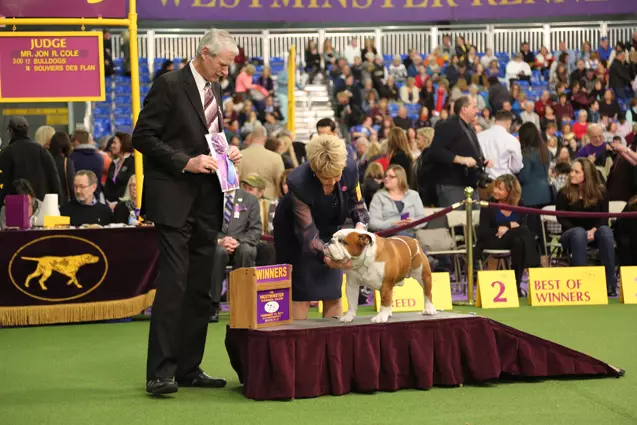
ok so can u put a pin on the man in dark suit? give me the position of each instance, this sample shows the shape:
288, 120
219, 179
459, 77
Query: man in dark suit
183, 197
25, 159
237, 242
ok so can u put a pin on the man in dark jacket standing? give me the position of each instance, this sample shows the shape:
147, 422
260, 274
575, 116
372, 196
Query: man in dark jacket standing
26, 159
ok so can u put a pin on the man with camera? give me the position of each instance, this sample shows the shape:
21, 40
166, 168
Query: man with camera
456, 154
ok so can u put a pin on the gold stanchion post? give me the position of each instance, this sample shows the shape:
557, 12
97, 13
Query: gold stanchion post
468, 239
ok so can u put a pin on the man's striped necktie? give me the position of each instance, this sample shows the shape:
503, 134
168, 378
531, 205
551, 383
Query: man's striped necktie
227, 212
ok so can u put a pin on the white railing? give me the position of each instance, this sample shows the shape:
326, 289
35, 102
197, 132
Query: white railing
388, 40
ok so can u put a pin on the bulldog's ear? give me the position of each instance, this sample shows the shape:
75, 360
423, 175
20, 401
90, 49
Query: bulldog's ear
364, 239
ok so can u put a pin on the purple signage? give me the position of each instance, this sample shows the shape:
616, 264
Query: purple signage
374, 10
277, 273
63, 9
59, 66
273, 306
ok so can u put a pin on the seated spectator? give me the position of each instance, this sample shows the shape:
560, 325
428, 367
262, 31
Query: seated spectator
259, 160
85, 209
409, 93
580, 128
22, 187
502, 229
517, 70
245, 87
529, 115
401, 120
396, 204
609, 107
597, 150
584, 192
237, 242
254, 185
126, 210
560, 168
122, 167
397, 69
563, 108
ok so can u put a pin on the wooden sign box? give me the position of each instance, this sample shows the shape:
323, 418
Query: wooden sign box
261, 296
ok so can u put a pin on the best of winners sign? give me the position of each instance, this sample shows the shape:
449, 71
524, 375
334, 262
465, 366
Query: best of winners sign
261, 296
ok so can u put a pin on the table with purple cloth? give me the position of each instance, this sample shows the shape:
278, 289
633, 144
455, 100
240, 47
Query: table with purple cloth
76, 275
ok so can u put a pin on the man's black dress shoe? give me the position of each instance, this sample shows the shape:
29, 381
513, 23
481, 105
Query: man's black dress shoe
161, 386
202, 381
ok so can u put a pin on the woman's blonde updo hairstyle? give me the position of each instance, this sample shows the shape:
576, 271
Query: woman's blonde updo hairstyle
327, 155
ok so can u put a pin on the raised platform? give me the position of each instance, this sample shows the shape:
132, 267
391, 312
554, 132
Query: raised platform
321, 356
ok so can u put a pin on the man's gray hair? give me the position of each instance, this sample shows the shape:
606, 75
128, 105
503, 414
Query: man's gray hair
259, 132
217, 41
90, 175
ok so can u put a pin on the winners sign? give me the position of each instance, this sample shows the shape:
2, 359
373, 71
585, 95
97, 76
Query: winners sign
567, 286
51, 67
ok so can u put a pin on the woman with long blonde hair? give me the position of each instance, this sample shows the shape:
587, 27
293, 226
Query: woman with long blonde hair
502, 229
584, 192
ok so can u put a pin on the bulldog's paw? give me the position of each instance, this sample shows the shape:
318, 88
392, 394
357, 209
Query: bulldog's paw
381, 317
347, 318
429, 310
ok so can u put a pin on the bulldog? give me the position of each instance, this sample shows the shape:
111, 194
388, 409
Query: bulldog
379, 264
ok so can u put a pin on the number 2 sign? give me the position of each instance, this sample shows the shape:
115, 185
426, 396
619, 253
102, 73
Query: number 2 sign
497, 289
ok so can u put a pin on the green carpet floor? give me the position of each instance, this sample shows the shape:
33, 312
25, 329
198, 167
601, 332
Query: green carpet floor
94, 374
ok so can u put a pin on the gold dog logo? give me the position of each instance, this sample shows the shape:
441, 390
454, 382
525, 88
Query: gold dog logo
58, 277
67, 266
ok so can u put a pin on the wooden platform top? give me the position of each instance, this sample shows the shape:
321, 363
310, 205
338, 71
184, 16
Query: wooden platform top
364, 320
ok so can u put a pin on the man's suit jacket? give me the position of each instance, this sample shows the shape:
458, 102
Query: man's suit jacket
170, 130
267, 164
247, 227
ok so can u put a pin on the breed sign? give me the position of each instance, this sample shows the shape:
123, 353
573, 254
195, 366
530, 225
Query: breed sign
51, 67
567, 286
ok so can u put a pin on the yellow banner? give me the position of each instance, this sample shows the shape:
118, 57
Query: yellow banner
35, 111
567, 286
628, 285
410, 296
497, 289
57, 119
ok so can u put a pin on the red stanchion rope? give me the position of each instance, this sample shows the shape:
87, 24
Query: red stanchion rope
398, 229
572, 214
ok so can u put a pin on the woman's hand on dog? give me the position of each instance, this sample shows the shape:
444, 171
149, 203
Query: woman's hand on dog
344, 265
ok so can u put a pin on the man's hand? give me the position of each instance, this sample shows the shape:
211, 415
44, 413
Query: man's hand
501, 231
467, 161
590, 235
343, 265
591, 157
403, 222
488, 164
514, 224
235, 154
202, 164
229, 243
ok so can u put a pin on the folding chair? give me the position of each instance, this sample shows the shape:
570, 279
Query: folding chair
551, 226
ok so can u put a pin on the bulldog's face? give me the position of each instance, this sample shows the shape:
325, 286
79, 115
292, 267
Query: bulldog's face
347, 244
